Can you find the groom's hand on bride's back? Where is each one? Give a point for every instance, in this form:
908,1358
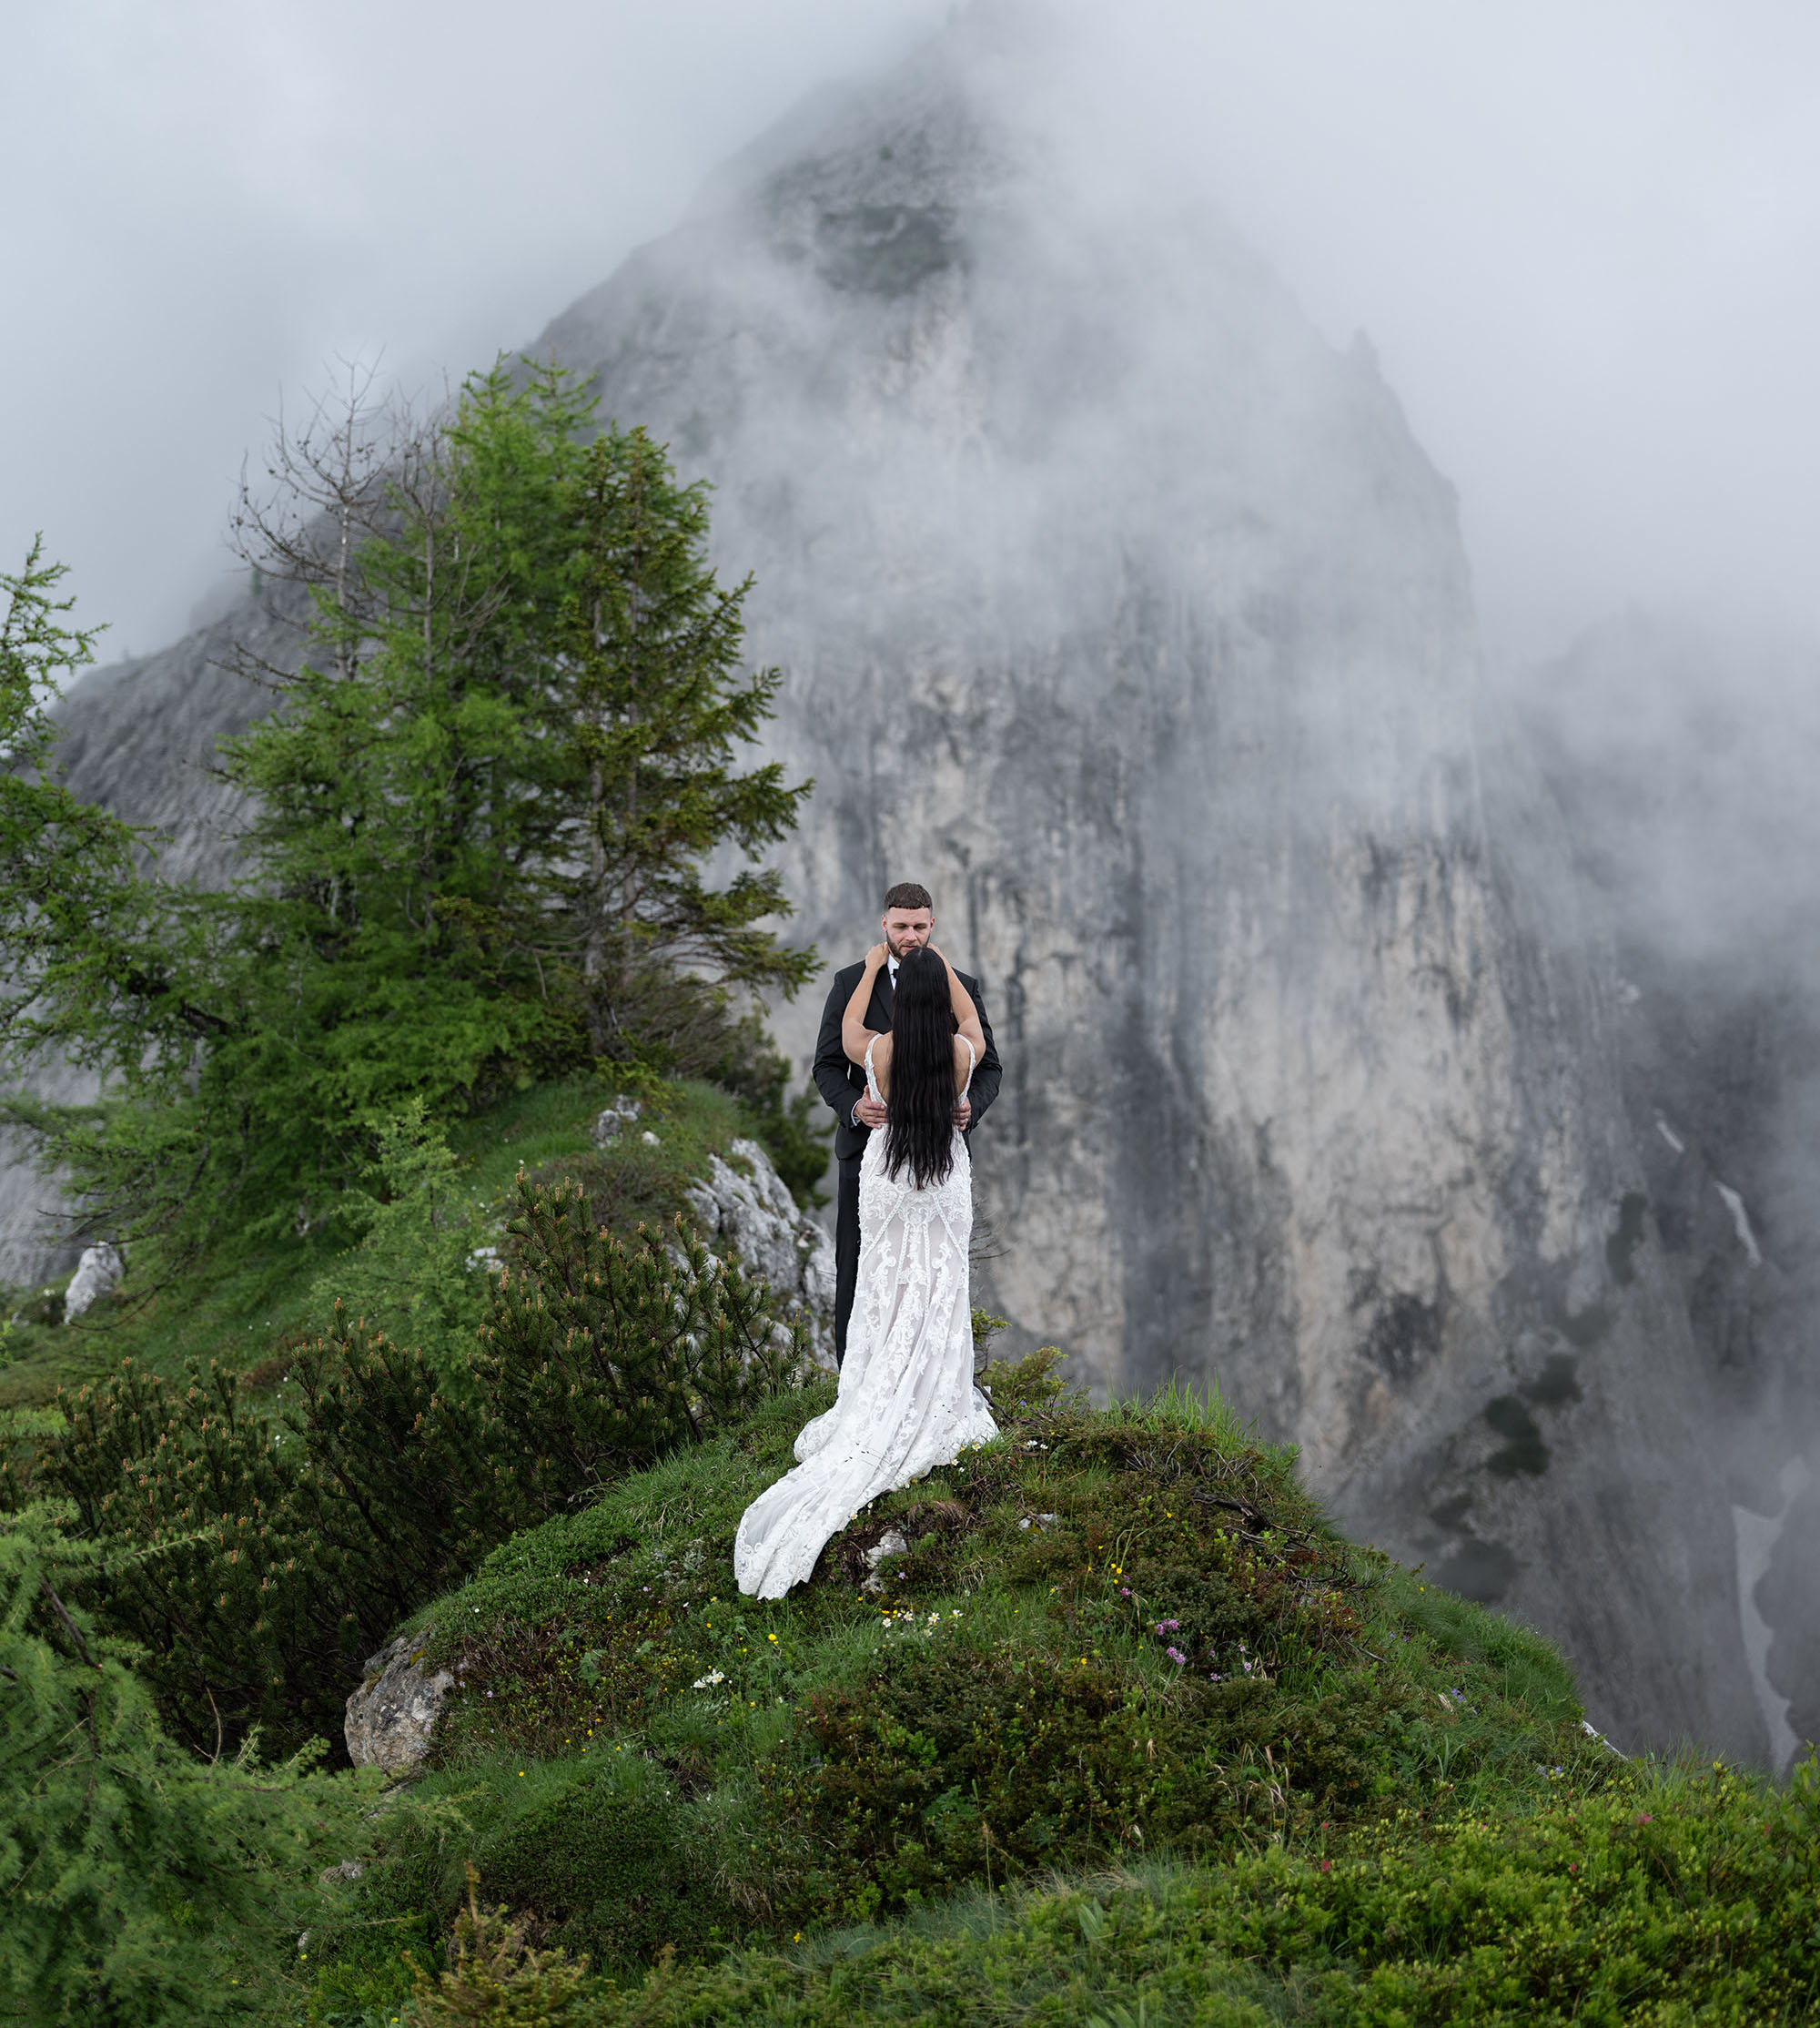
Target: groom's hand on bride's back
870,1113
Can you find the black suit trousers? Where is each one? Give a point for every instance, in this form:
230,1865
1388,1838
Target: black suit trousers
846,1249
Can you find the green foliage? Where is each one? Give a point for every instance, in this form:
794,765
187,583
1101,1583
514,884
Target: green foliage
249,1302
1189,1686
613,1866
402,790
410,1274
790,1128
660,709
99,962
1673,1895
1109,1637
1021,1387
598,1354
271,1552
986,1328
263,1556
496,1977
1526,1666
1179,1406
486,815
140,1885
66,867
481,820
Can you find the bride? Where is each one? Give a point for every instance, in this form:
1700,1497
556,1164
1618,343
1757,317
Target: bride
906,1401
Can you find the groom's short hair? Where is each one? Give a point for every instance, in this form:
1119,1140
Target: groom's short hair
906,894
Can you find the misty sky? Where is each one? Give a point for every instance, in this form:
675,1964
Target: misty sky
1585,239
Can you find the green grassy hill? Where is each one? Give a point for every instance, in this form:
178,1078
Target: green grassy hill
1130,1734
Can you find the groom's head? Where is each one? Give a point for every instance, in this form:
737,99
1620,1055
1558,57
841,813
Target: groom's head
909,918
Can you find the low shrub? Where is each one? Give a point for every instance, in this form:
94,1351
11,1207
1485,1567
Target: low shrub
139,1882
608,1869
598,1356
259,1557
1672,1895
1021,1387
494,1975
273,1547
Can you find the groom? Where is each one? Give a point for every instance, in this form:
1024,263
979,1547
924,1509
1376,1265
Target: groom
909,921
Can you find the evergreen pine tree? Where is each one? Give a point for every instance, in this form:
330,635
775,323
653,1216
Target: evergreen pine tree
659,707
72,908
402,795
483,817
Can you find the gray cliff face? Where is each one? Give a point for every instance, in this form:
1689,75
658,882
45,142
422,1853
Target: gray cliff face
1127,613
1682,763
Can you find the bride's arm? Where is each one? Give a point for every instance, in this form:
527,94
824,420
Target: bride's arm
966,1015
854,1033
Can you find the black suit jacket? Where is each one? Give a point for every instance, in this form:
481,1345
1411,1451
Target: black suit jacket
842,1083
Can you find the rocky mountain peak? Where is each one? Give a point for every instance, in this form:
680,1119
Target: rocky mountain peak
1125,612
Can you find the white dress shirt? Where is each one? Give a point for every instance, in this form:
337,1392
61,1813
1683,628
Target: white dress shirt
892,963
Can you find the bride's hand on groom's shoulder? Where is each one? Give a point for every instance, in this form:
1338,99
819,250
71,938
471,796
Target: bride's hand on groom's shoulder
880,954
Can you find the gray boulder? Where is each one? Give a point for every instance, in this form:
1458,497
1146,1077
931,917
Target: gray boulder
97,1274
391,1716
622,1113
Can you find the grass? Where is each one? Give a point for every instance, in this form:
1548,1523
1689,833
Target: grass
1178,1404
1176,1752
1130,1735
245,1306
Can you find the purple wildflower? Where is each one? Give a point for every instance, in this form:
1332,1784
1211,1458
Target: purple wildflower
1176,1656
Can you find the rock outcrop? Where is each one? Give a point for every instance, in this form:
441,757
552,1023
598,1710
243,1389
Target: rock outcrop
622,1113
1682,759
745,1207
393,1714
1125,612
97,1272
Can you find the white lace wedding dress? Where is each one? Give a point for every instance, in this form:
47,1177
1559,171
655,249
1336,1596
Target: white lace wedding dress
908,1402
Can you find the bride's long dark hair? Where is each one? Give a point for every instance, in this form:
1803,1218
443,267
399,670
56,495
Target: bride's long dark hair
920,1130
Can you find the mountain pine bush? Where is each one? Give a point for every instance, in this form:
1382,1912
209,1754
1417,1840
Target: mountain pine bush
269,1553
138,1883
599,1356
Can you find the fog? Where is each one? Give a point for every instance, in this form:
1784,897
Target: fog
1584,259
1584,243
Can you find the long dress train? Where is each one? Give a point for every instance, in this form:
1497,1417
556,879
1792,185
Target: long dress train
907,1402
